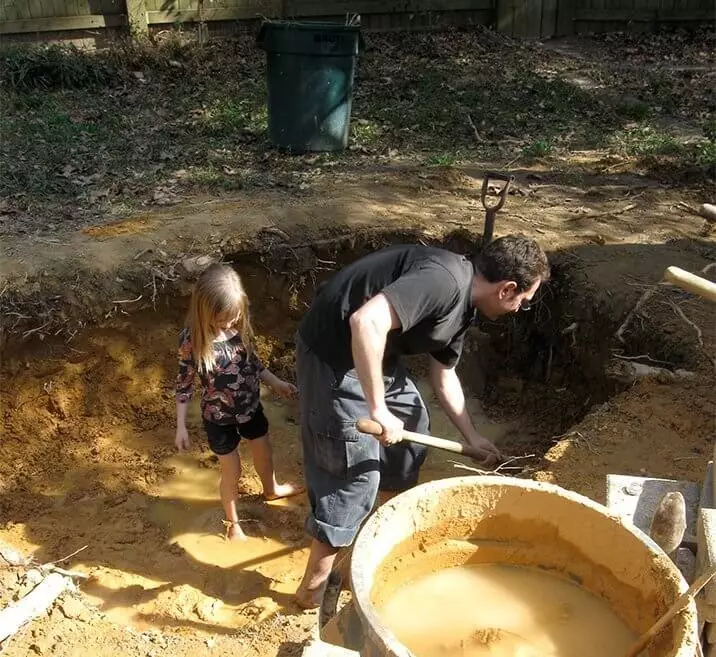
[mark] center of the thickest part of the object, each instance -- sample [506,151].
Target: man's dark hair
[513,258]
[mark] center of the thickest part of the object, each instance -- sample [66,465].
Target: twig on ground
[69,556]
[626,208]
[499,470]
[120,301]
[154,291]
[644,357]
[35,330]
[474,129]
[67,573]
[685,206]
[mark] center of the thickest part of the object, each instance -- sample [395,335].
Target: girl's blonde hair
[218,293]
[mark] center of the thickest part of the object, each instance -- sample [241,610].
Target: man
[399,300]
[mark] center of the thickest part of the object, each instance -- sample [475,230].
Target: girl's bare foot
[283,490]
[234,531]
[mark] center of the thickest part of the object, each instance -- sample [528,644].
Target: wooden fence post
[137,18]
[505,17]
[565,16]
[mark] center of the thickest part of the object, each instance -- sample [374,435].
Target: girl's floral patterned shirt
[230,393]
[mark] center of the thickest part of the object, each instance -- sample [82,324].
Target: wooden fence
[93,19]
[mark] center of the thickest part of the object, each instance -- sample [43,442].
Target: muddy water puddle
[212,582]
[503,611]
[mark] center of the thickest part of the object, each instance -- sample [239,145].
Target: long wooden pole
[645,639]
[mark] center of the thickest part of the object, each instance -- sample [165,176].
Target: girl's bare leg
[230,466]
[263,462]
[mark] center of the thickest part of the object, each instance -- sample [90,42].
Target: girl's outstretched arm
[182,437]
[281,387]
[184,388]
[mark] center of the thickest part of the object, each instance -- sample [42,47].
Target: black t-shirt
[429,289]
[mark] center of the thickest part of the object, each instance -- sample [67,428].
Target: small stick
[474,129]
[128,300]
[645,639]
[39,328]
[69,556]
[644,357]
[66,573]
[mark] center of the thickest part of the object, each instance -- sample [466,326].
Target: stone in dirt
[261,609]
[669,522]
[208,609]
[74,609]
[194,265]
[636,499]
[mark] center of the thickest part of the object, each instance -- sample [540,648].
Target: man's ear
[507,289]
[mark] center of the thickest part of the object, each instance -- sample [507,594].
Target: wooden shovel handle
[374,428]
[691,282]
[645,639]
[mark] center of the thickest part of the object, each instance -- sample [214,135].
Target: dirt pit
[89,457]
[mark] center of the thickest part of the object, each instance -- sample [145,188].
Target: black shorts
[224,438]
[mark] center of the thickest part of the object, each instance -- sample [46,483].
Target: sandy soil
[88,413]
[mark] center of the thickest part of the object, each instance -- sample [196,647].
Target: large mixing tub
[469,520]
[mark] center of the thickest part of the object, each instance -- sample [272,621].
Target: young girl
[217,345]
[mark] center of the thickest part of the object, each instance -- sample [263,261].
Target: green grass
[441,160]
[539,148]
[646,140]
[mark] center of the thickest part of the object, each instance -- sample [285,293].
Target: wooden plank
[565,15]
[191,15]
[549,19]
[60,8]
[527,17]
[642,16]
[57,24]
[338,7]
[22,8]
[8,11]
[505,17]
[533,18]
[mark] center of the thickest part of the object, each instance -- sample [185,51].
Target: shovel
[373,428]
[491,208]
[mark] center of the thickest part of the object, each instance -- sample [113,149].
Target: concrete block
[685,561]
[636,498]
[710,633]
[713,478]
[706,550]
[707,489]
[706,612]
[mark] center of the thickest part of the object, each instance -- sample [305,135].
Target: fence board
[57,24]
[533,18]
[549,18]
[643,15]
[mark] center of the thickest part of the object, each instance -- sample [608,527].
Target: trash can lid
[320,38]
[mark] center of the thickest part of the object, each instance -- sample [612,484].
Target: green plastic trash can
[311,67]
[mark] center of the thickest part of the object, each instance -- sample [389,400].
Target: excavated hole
[89,430]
